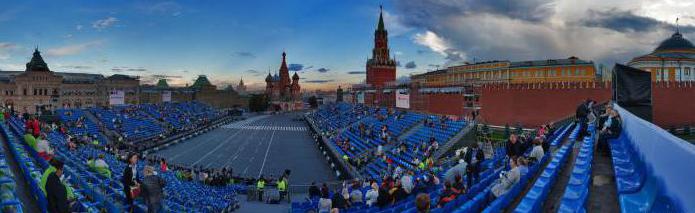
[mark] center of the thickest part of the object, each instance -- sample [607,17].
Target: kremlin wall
[530,93]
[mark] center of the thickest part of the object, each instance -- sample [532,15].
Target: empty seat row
[577,190]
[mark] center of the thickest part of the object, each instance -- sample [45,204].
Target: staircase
[88,114]
[409,131]
[446,146]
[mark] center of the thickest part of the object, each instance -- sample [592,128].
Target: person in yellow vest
[30,139]
[282,186]
[421,165]
[95,142]
[101,167]
[260,185]
[52,169]
[346,158]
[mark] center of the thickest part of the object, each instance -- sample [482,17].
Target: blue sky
[224,40]
[227,40]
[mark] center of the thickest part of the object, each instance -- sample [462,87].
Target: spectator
[163,166]
[523,166]
[407,182]
[325,204]
[324,190]
[340,201]
[473,158]
[537,152]
[383,195]
[356,194]
[43,148]
[129,180]
[372,194]
[56,191]
[422,203]
[507,180]
[30,139]
[611,130]
[398,193]
[101,167]
[447,195]
[514,148]
[152,190]
[314,191]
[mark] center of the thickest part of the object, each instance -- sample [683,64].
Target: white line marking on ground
[216,147]
[266,153]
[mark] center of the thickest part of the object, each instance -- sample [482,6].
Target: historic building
[201,90]
[284,94]
[672,61]
[381,68]
[37,88]
[568,70]
[241,88]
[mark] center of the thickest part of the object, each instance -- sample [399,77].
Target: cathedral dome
[676,42]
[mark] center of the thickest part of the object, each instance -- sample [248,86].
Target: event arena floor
[264,144]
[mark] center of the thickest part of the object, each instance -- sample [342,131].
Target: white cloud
[73,49]
[5,48]
[490,30]
[78,27]
[104,23]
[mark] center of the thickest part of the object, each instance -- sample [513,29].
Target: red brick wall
[536,104]
[673,104]
[533,105]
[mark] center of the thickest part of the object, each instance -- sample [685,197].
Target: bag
[134,191]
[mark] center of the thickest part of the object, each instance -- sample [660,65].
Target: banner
[402,99]
[633,90]
[360,97]
[117,97]
[166,96]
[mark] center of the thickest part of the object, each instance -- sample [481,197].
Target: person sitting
[611,130]
[57,194]
[537,152]
[448,194]
[372,194]
[422,203]
[325,204]
[341,201]
[523,166]
[101,167]
[314,191]
[43,148]
[506,180]
[356,194]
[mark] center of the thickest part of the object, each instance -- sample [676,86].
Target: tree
[313,102]
[258,103]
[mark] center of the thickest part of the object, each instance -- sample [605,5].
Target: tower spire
[380,27]
[677,27]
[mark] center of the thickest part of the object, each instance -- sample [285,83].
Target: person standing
[473,158]
[260,185]
[129,180]
[56,192]
[152,190]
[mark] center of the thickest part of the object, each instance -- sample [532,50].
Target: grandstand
[344,146]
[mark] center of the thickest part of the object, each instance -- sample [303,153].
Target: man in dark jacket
[514,147]
[152,190]
[473,158]
[314,191]
[56,194]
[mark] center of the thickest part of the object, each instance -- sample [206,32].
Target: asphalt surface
[264,144]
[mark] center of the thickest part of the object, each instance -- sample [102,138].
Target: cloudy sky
[327,42]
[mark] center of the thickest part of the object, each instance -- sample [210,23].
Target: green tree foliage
[258,103]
